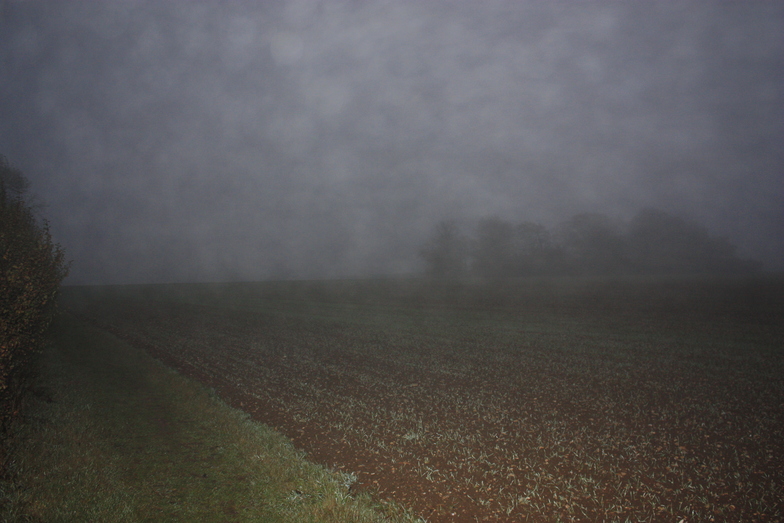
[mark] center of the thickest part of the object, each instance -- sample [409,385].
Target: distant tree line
[653,242]
[31,270]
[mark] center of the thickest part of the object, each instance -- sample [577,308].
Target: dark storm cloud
[304,138]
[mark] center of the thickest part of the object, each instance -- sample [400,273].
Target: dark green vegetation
[113,435]
[31,269]
[652,243]
[634,399]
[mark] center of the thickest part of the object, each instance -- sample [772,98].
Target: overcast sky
[187,141]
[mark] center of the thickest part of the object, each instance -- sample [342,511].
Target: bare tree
[658,242]
[445,254]
[494,253]
[593,244]
[537,254]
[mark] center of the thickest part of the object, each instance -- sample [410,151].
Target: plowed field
[545,401]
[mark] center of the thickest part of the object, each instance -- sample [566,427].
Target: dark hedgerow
[31,270]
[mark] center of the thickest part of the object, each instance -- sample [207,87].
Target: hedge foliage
[31,270]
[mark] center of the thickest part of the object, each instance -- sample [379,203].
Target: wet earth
[571,411]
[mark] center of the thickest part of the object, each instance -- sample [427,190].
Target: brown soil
[570,412]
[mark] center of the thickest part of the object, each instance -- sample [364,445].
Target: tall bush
[32,267]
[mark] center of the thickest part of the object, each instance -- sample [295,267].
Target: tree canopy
[653,242]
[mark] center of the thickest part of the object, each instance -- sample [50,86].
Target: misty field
[551,400]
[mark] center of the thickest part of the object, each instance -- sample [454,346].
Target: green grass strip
[116,436]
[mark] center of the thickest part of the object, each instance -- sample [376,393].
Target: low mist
[302,139]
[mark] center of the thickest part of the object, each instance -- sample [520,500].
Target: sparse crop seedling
[609,401]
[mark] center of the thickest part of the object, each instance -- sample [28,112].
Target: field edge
[110,433]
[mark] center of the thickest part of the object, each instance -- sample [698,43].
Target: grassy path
[113,435]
